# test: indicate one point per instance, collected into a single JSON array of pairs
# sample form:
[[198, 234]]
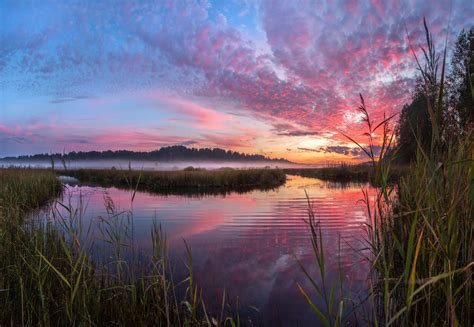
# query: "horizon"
[[135, 152], [256, 77]]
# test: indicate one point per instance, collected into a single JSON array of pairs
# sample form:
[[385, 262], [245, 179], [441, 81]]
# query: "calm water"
[[247, 243]]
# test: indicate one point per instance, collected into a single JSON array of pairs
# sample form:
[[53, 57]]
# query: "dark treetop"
[[170, 153]]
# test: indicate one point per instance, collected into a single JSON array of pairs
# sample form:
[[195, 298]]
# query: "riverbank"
[[346, 173], [23, 190], [48, 276]]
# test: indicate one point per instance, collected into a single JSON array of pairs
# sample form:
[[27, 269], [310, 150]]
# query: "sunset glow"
[[278, 78]]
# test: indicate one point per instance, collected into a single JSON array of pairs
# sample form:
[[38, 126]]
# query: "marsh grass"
[[51, 272], [187, 181], [22, 190], [422, 238], [347, 173], [421, 231], [330, 288]]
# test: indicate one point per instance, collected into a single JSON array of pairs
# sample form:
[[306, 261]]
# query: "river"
[[246, 244]]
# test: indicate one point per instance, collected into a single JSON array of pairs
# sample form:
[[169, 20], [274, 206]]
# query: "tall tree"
[[460, 80], [456, 111], [414, 127]]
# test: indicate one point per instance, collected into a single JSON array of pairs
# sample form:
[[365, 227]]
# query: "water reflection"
[[247, 243]]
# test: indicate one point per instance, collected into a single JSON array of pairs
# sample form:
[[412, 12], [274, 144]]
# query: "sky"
[[279, 78]]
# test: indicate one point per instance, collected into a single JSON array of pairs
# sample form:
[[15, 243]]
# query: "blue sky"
[[277, 78]]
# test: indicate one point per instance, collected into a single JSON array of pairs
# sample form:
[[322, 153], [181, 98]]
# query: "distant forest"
[[170, 153]]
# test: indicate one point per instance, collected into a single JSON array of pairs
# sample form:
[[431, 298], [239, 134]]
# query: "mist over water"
[[149, 165]]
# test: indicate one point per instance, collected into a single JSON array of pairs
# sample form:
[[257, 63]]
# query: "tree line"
[[169, 153]]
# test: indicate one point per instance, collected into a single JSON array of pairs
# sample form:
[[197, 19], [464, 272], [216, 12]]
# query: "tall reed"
[[421, 231], [423, 241], [52, 272]]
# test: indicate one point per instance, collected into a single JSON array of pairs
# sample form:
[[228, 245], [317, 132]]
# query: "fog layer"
[[148, 165]]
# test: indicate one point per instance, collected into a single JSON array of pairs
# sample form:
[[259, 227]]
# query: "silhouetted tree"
[[460, 90], [414, 126], [456, 112], [170, 153]]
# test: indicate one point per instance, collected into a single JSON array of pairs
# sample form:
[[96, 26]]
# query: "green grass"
[[421, 230], [421, 238], [346, 173], [22, 190], [48, 276], [425, 242], [186, 181]]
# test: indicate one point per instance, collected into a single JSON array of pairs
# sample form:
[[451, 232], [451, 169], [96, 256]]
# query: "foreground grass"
[[422, 235], [421, 239], [47, 276], [425, 242], [420, 232], [186, 181]]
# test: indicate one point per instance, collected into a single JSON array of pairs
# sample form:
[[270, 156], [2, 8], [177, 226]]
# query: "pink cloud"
[[303, 80], [202, 116]]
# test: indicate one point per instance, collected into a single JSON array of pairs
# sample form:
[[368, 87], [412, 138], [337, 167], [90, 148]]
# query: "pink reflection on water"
[[248, 243]]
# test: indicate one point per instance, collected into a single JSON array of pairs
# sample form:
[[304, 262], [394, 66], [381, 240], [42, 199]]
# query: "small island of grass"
[[186, 181]]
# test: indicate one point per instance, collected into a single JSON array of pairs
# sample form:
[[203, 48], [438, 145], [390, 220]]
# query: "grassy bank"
[[422, 235], [425, 242], [47, 276], [186, 181], [22, 190], [346, 173], [421, 242], [420, 231]]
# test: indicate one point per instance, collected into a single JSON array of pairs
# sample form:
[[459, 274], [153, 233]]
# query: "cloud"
[[187, 143], [298, 66], [298, 133], [69, 99], [200, 115], [308, 149], [339, 54], [353, 152]]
